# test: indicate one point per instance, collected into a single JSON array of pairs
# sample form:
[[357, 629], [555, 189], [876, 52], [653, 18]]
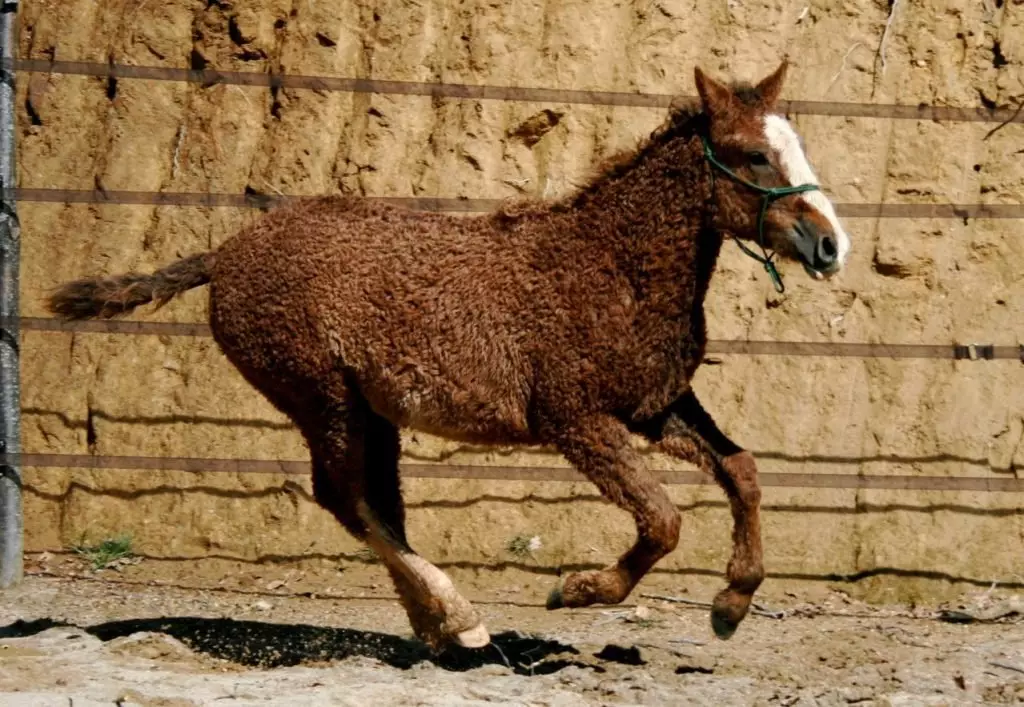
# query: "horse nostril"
[[828, 248]]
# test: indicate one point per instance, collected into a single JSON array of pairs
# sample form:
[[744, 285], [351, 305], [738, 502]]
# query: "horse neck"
[[654, 215]]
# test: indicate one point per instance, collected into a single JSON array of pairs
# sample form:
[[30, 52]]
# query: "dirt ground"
[[76, 637]]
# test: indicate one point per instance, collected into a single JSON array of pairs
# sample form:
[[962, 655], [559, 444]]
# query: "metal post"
[[11, 537]]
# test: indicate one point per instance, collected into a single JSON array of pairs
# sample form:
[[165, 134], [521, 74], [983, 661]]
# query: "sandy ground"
[[92, 641]]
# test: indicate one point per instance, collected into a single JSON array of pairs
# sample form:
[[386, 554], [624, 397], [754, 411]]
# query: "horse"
[[575, 323]]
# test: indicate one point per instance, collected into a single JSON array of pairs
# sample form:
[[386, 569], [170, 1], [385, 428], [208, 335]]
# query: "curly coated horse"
[[574, 323]]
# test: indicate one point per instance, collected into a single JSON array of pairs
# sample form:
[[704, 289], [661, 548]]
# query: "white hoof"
[[476, 637]]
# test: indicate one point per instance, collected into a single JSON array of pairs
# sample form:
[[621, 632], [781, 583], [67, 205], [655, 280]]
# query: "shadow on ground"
[[268, 645]]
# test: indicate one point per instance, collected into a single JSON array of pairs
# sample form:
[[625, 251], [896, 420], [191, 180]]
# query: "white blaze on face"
[[795, 168]]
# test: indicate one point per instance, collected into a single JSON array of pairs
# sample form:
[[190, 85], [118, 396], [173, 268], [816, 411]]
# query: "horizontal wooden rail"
[[515, 473], [973, 352], [456, 205], [212, 77]]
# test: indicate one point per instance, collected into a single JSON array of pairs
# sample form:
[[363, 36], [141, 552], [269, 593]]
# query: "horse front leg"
[[689, 433], [599, 447]]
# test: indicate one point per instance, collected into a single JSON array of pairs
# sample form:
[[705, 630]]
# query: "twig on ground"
[[1007, 666], [612, 616], [762, 610], [679, 600], [502, 654], [758, 609]]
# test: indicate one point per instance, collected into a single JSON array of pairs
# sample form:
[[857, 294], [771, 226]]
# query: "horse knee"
[[750, 494], [745, 573], [663, 529], [742, 470], [746, 578]]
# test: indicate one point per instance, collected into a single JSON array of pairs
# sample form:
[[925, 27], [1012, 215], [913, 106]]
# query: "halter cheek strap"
[[768, 196]]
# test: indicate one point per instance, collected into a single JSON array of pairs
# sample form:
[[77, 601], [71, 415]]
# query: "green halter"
[[770, 195]]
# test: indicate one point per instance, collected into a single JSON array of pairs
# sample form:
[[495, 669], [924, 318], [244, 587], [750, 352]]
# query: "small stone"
[[262, 605]]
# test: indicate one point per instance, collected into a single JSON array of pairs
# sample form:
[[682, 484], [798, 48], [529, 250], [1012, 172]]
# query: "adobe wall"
[[908, 281]]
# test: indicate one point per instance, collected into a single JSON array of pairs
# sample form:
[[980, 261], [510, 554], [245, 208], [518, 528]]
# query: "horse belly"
[[462, 416], [462, 393]]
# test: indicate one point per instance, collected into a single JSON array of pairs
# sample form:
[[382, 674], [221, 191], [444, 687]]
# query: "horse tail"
[[107, 297]]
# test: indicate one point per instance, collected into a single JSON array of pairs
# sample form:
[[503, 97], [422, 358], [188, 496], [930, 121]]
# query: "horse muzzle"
[[818, 249]]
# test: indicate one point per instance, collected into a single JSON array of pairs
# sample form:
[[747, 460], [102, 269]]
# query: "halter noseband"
[[769, 195]]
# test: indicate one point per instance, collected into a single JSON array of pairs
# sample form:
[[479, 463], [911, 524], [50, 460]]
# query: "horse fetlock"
[[745, 577], [460, 621], [581, 589], [442, 622]]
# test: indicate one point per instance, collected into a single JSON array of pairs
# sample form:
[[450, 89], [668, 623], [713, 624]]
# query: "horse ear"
[[715, 97], [771, 86]]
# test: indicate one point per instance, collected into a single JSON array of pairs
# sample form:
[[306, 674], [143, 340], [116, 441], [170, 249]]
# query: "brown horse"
[[575, 323]]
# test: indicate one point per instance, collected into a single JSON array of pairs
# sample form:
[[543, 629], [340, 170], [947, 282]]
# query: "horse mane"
[[684, 120]]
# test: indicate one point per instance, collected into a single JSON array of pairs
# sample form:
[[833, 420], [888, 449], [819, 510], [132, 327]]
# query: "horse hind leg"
[[355, 476], [436, 610]]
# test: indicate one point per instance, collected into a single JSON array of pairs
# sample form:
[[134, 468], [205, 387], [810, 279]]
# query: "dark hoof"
[[555, 598], [723, 626], [727, 611]]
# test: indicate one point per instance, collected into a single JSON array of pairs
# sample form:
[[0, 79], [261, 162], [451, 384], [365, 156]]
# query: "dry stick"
[[502, 654], [754, 608], [679, 600], [1007, 666]]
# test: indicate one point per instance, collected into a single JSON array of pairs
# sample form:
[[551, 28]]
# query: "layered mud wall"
[[911, 279]]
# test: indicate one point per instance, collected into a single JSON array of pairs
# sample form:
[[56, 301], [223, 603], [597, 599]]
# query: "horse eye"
[[758, 159]]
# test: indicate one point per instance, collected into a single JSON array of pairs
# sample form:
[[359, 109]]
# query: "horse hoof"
[[555, 598], [723, 627], [476, 637]]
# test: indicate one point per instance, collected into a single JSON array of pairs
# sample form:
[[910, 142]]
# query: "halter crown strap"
[[770, 194]]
